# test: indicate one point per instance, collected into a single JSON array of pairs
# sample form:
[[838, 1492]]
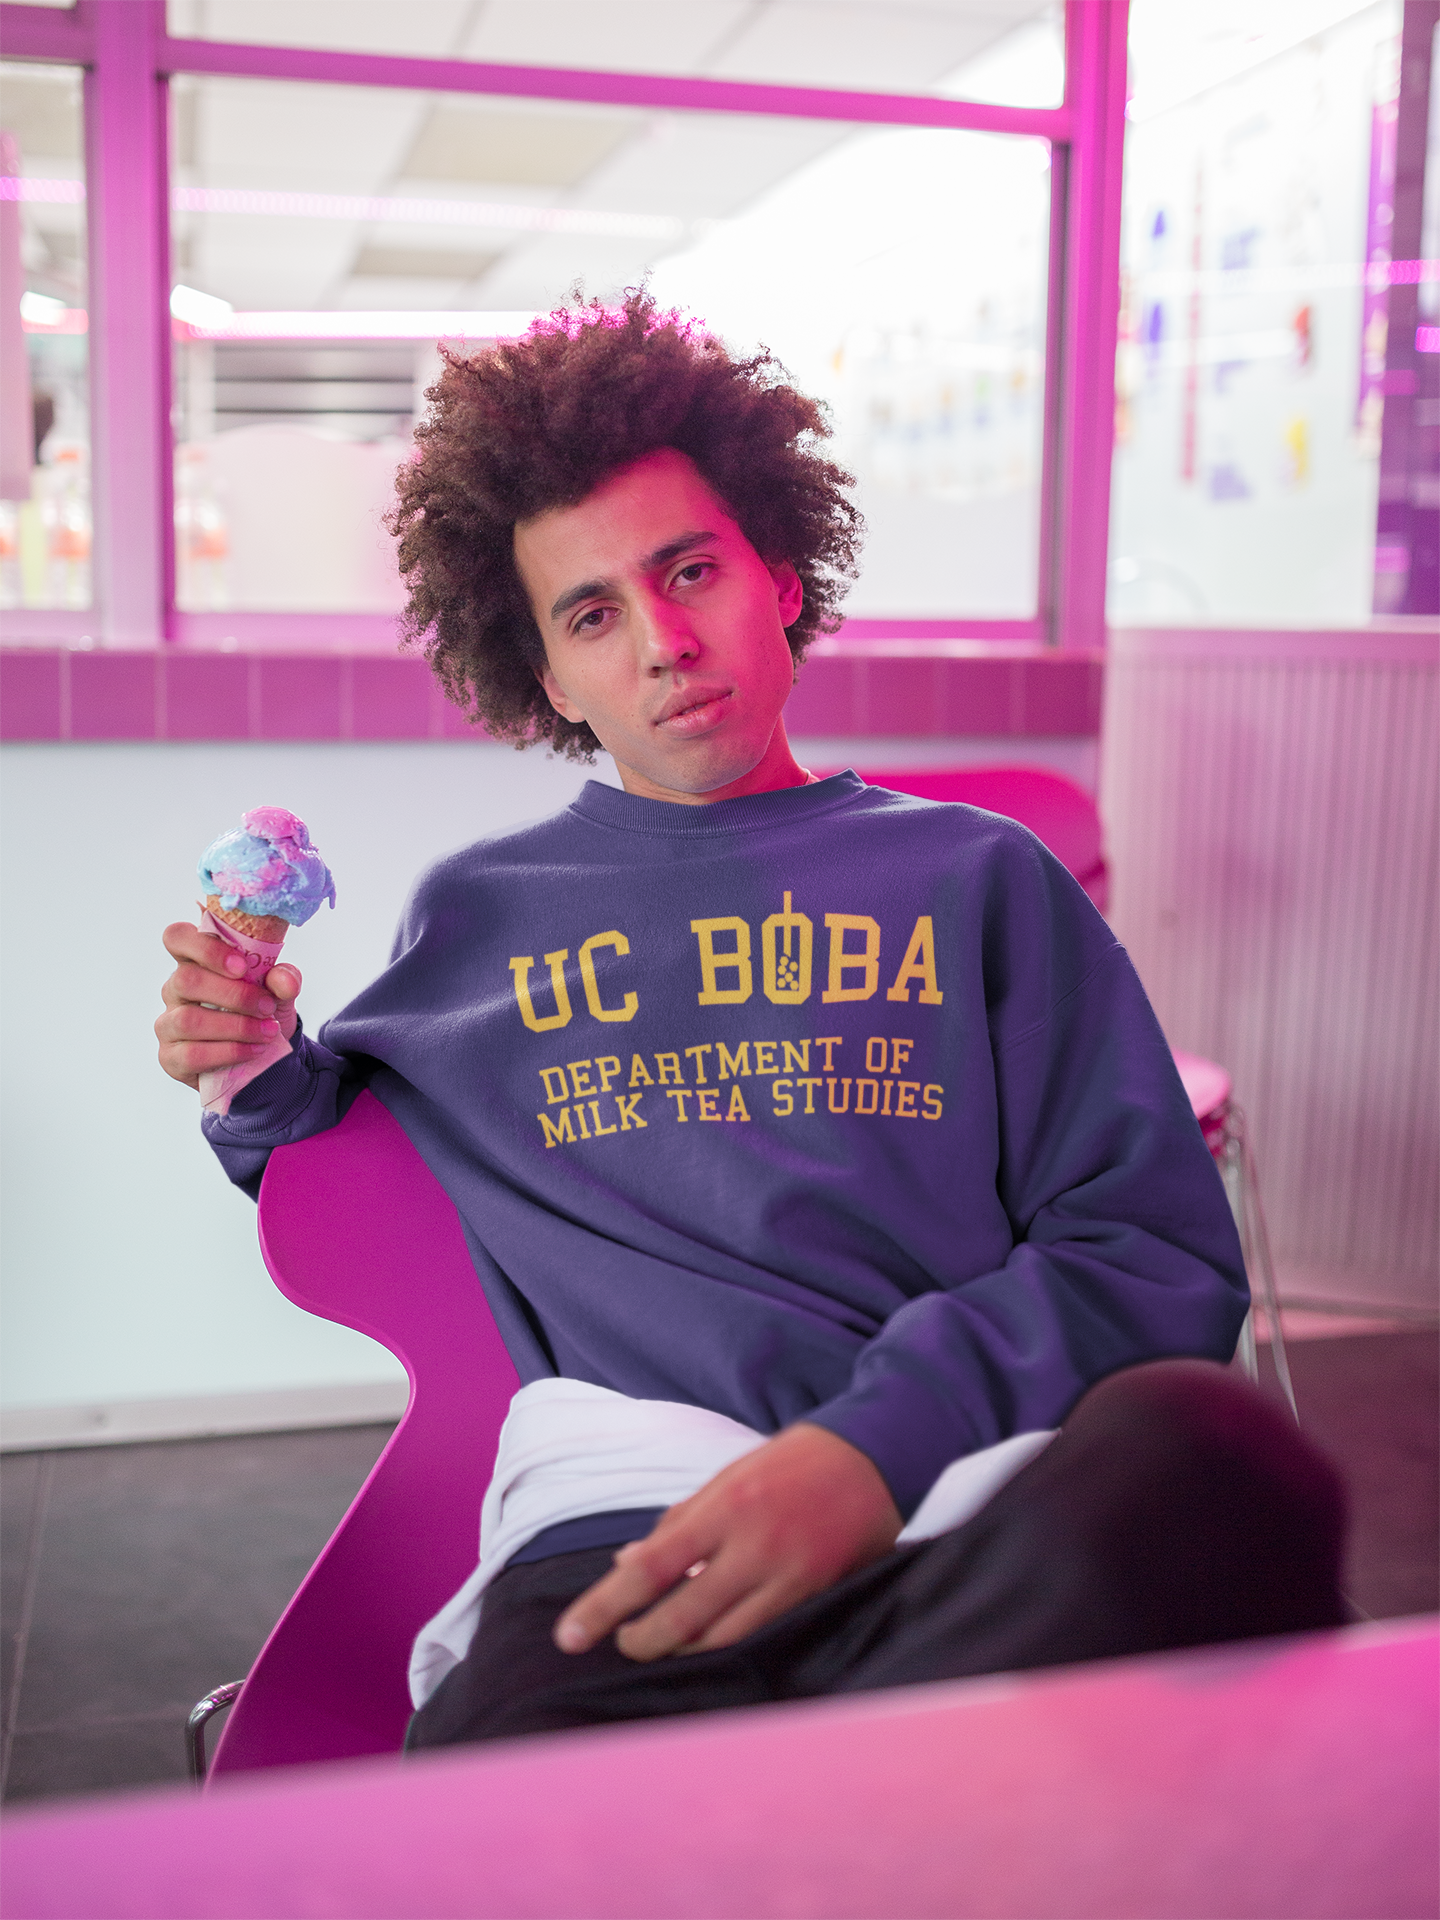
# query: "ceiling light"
[[336, 325], [199, 309], [41, 310]]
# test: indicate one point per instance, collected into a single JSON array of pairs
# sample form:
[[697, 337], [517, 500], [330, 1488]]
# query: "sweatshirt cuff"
[[907, 1436], [274, 1100]]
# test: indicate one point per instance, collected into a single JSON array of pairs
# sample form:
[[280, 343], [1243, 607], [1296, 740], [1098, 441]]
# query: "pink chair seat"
[[1052, 807], [1207, 1086], [354, 1227]]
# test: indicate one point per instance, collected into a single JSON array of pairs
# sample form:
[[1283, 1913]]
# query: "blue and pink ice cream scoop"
[[265, 871]]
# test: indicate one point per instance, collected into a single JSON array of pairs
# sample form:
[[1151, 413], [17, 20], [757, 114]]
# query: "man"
[[816, 1147]]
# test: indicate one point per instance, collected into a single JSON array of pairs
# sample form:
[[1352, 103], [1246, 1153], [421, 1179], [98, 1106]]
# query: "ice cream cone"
[[269, 927], [268, 861]]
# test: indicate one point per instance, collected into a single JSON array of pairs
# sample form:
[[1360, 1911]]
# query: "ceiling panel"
[[453, 265], [646, 36], [41, 107], [706, 165], [888, 49], [433, 27], [510, 143], [295, 137]]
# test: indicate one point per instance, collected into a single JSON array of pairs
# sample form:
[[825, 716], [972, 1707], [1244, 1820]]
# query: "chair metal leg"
[[201, 1715], [1242, 1188], [1245, 1349]]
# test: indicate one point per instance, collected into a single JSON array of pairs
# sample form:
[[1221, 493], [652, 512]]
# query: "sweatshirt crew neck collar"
[[612, 807]]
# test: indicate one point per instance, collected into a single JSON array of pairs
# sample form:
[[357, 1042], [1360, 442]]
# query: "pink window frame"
[[129, 58]]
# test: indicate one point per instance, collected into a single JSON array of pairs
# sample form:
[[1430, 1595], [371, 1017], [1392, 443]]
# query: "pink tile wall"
[[914, 689], [33, 690], [115, 696], [205, 695]]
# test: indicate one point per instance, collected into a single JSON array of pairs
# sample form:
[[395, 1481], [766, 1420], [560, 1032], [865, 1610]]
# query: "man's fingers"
[[184, 942], [283, 981], [188, 1022], [189, 1059], [642, 1572], [755, 1608], [214, 1017], [187, 987], [686, 1620], [190, 985]]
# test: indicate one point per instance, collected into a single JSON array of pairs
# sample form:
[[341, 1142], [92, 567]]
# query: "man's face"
[[665, 630]]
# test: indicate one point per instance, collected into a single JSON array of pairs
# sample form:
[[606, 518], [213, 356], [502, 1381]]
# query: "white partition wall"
[[1271, 809]]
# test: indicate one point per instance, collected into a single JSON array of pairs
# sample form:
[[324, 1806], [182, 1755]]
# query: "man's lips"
[[694, 709]]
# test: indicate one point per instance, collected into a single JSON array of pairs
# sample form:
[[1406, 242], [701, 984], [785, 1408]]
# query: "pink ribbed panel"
[[1271, 816]]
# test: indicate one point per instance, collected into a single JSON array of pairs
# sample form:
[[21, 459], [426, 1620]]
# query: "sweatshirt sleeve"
[[1124, 1246], [308, 1091]]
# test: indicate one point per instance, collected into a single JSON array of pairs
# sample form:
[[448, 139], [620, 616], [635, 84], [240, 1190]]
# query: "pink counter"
[[1275, 1781]]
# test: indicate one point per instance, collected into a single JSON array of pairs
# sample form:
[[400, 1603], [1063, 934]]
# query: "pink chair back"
[[354, 1227], [1054, 808]]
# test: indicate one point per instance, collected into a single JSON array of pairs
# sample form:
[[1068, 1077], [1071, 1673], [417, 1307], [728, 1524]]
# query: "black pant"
[[1176, 1507]]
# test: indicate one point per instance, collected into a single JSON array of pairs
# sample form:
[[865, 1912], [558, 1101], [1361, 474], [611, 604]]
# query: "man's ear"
[[559, 700], [790, 594]]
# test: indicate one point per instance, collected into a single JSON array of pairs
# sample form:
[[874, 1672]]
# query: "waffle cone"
[[270, 927]]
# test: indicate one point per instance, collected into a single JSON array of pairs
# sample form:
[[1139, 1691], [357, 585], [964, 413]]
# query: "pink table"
[[1281, 1779]]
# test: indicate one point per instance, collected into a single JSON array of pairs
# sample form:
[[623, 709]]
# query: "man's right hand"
[[212, 1017]]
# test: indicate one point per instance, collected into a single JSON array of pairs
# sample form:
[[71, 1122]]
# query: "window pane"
[[1254, 385], [898, 273], [1014, 49], [45, 419]]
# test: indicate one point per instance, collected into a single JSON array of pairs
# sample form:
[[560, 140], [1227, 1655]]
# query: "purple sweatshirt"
[[824, 1104]]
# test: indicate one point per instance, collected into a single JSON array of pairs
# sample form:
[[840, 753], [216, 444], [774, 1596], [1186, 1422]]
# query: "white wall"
[[1271, 805], [130, 1267]]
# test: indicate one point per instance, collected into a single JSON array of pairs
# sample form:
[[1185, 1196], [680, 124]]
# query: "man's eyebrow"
[[672, 550], [662, 556], [587, 590]]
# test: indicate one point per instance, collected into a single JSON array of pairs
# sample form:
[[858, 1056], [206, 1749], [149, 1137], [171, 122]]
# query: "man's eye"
[[691, 576], [591, 620]]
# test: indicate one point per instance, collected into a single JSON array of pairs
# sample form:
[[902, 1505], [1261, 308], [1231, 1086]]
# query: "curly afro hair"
[[538, 423]]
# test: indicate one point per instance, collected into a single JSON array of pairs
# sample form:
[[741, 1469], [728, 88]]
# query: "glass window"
[[325, 237], [45, 532], [1013, 49], [1260, 239]]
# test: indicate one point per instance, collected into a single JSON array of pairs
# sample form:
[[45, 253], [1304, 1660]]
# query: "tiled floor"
[[137, 1577]]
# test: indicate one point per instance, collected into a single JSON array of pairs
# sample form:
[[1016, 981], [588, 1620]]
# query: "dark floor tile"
[[21, 1478], [1373, 1402], [143, 1751], [162, 1568]]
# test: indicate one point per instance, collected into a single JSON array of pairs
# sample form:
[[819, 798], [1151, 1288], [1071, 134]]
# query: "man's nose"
[[666, 634]]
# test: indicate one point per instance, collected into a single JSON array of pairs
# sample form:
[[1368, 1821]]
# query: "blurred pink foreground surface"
[[1282, 1779]]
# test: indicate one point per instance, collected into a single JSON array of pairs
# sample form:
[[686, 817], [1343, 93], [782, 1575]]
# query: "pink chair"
[[354, 1227], [1054, 808]]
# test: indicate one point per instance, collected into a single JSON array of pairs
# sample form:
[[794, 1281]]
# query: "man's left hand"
[[786, 1521]]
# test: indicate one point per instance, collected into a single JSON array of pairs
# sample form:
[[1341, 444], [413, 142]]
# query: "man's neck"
[[776, 770]]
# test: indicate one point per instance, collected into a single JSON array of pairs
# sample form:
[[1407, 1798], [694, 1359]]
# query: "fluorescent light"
[[57, 193], [199, 309], [42, 309], [508, 215], [369, 207], [338, 325], [39, 313]]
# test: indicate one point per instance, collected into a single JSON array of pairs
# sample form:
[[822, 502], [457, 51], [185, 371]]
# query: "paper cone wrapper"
[[219, 1087]]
